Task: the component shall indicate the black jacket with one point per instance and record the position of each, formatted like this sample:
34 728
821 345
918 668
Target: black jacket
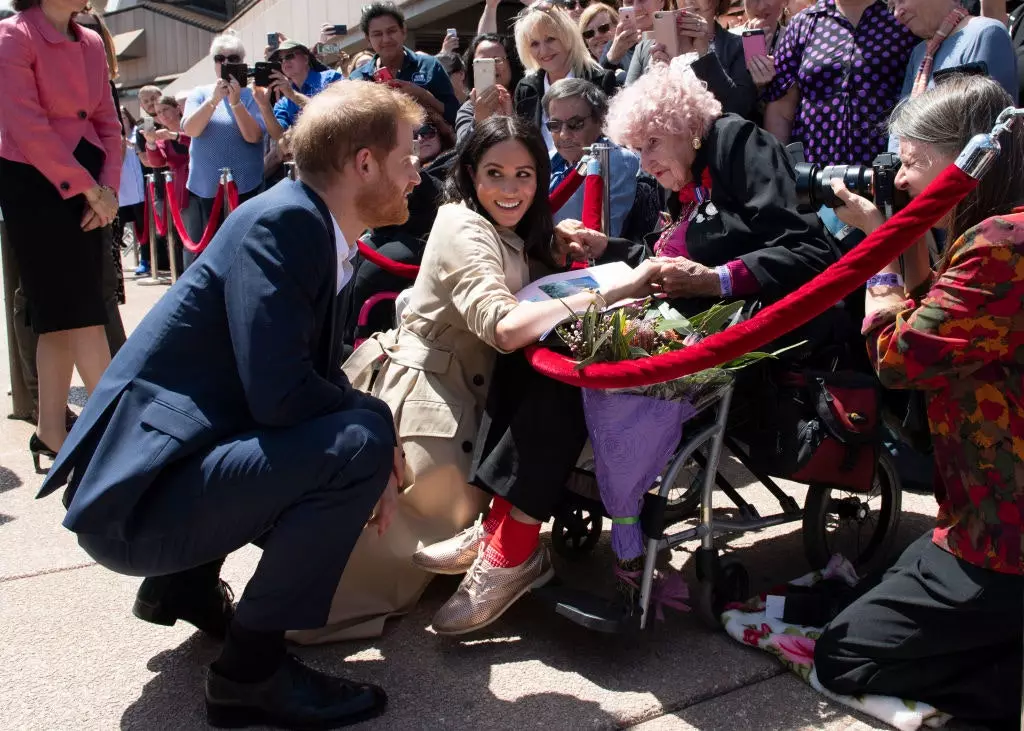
530 91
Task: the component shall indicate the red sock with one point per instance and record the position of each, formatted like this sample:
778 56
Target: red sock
513 543
500 507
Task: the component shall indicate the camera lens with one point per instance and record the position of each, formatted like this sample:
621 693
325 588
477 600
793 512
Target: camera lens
814 184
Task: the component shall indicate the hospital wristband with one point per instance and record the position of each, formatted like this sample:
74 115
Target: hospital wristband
725 280
886 279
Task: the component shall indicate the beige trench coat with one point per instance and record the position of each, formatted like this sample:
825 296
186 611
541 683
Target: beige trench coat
434 372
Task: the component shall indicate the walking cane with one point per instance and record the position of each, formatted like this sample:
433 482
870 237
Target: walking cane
171 234
151 223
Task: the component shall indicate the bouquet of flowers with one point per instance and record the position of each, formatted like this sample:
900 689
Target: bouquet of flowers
635 431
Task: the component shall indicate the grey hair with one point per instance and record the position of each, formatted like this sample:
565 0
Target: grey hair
596 99
229 40
947 117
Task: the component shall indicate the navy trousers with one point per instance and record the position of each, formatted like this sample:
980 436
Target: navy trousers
303 492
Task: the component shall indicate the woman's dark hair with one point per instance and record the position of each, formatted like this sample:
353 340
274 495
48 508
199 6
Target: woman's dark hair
513 59
6 13
168 101
131 119
22 5
536 227
947 117
380 10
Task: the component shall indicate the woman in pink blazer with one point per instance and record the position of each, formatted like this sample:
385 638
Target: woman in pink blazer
60 166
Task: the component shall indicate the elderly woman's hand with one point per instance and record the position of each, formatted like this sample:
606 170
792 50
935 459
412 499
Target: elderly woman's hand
234 92
680 277
638 283
220 91
575 241
856 211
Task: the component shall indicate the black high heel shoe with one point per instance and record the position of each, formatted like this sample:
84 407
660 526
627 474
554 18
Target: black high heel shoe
39 448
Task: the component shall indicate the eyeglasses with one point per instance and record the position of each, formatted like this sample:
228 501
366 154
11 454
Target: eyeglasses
291 55
426 132
573 124
573 4
233 58
602 29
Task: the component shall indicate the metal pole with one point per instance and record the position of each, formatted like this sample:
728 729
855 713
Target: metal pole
602 153
171 233
225 178
151 224
289 169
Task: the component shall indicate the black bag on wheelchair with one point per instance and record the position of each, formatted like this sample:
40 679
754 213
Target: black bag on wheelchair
818 427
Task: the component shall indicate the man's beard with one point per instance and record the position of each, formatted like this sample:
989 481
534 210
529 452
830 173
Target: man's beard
381 205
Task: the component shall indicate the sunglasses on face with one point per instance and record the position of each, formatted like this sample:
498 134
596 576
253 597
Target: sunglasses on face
233 58
602 29
573 124
290 56
573 4
426 132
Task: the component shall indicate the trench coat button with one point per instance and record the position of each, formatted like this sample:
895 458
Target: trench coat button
65 186
478 380
467 447
82 114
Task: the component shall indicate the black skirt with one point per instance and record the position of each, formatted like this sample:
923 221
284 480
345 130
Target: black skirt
61 265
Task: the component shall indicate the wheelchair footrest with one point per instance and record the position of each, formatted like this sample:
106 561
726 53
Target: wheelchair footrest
588 610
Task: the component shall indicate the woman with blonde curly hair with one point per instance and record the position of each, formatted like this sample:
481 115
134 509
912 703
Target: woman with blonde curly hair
552 48
736 233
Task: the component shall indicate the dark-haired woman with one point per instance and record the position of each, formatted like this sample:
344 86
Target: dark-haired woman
485 103
435 369
60 168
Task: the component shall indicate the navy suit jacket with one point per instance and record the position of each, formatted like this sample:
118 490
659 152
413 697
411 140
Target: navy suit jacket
244 341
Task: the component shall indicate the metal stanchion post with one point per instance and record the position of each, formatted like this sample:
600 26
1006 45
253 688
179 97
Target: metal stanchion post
151 225
602 153
225 178
289 169
171 234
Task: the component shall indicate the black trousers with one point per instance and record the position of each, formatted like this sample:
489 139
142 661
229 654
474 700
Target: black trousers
530 437
303 492
197 215
935 629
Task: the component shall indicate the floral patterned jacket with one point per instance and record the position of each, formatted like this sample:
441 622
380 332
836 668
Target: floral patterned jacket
961 339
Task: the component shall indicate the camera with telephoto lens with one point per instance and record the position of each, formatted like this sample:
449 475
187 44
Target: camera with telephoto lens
876 182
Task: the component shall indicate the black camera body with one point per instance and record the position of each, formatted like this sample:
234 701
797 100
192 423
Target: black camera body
241 73
876 182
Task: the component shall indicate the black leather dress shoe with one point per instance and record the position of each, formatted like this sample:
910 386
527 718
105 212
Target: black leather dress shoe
163 600
295 697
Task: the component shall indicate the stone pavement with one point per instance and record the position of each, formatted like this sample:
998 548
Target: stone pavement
73 657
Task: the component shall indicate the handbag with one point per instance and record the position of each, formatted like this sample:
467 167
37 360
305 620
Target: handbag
825 429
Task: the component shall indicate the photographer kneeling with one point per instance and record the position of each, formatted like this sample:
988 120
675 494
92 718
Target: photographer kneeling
944 624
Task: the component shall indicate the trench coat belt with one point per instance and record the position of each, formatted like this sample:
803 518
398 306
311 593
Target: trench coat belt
413 352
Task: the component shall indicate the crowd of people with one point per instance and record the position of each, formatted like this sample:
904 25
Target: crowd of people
256 403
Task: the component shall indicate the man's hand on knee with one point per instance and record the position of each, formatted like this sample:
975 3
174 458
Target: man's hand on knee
388 503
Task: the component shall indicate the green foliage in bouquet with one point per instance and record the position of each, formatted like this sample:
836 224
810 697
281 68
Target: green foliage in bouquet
641 330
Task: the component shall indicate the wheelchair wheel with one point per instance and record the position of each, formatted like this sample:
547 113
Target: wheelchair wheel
684 496
859 526
576 531
731 585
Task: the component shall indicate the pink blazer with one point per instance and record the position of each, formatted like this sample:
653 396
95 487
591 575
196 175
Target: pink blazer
55 92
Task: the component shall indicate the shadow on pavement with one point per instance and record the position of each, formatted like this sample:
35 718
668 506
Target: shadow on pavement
9 480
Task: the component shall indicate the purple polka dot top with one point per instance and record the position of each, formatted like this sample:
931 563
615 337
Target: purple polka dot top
849 80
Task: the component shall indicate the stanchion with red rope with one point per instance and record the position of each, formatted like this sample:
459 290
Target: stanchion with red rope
172 245
150 219
227 194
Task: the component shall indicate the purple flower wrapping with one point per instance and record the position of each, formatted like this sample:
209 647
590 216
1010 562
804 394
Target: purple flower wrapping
633 438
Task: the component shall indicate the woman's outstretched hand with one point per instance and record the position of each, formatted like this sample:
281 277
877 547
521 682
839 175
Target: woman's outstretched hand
575 241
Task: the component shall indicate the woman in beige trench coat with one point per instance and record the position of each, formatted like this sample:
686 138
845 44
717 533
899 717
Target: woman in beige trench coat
433 371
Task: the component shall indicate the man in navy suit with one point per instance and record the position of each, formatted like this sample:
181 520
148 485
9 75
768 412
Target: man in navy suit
226 420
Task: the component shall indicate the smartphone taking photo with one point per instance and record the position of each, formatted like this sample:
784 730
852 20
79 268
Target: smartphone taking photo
484 74
340 29
666 31
262 70
273 41
754 44
237 71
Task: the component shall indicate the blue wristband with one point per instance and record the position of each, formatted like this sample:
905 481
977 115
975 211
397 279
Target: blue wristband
886 279
725 280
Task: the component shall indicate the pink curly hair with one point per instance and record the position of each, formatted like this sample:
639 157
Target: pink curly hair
667 100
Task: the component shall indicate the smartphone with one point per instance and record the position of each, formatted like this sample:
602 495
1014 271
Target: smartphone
383 75
273 41
754 44
329 49
484 76
237 71
340 29
666 31
261 72
627 12
148 124
453 32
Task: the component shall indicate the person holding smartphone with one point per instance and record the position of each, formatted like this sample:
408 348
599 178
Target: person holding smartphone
227 131
760 34
490 91
301 76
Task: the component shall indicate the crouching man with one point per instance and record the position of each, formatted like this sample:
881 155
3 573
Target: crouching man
226 420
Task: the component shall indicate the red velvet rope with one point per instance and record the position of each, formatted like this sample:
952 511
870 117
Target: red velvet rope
408 271
566 190
593 202
806 303
232 194
142 232
151 192
211 226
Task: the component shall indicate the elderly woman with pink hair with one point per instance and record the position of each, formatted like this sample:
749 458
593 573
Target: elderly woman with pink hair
735 233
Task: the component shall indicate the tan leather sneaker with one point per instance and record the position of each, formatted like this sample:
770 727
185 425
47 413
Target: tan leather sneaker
453 556
487 591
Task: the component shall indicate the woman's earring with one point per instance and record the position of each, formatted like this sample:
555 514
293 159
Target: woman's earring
696 143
